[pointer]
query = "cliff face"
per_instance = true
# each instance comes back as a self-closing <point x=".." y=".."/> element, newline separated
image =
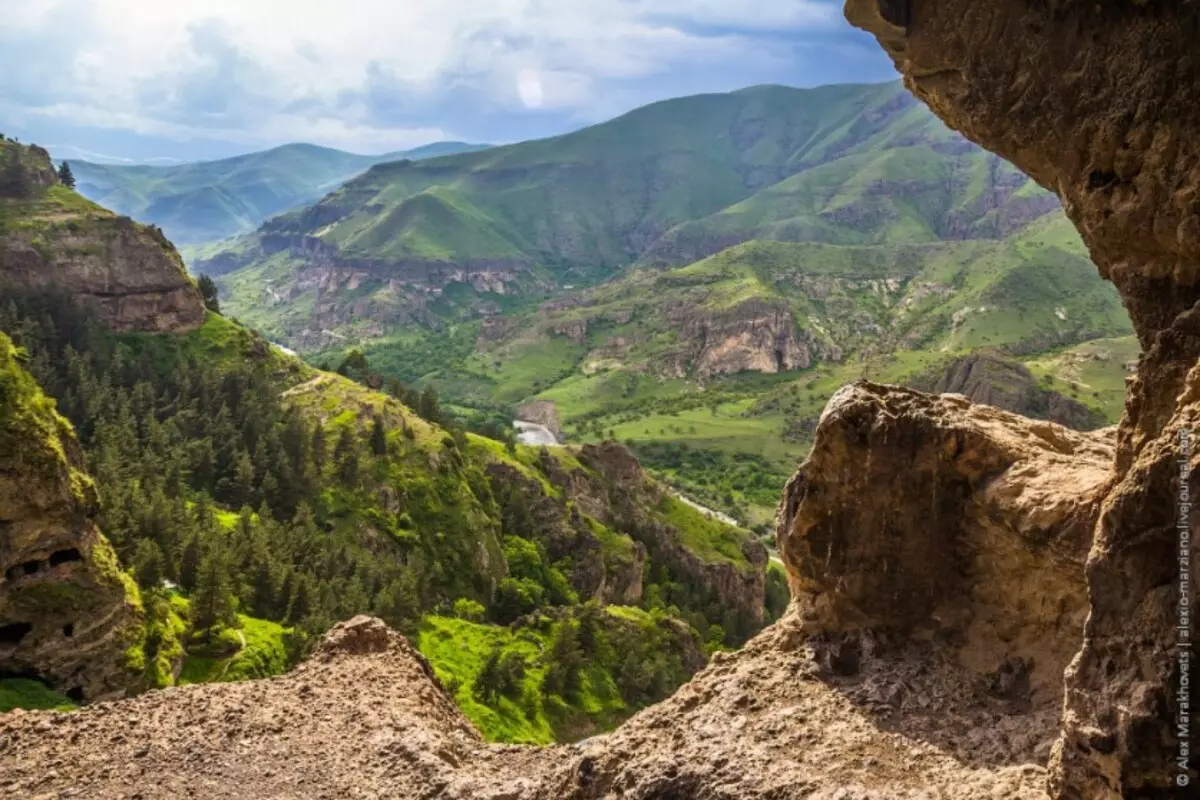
<point x="66" y="614"/>
<point x="754" y="336"/>
<point x="927" y="515"/>
<point x="991" y="379"/>
<point x="1098" y="102"/>
<point x="52" y="238"/>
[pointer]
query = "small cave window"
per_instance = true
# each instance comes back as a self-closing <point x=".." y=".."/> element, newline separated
<point x="75" y="694"/>
<point x="65" y="557"/>
<point x="69" y="629"/>
<point x="14" y="632"/>
<point x="21" y="570"/>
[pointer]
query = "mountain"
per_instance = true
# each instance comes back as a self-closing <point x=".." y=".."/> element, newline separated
<point x="694" y="278"/>
<point x="582" y="206"/>
<point x="182" y="502"/>
<point x="211" y="200"/>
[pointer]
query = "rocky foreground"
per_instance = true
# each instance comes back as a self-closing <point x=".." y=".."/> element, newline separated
<point x="944" y="680"/>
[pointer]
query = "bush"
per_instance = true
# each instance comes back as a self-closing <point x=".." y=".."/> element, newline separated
<point x="470" y="610"/>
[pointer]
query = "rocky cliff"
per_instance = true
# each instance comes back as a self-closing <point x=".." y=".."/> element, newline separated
<point x="51" y="237"/>
<point x="990" y="378"/>
<point x="67" y="614"/>
<point x="1098" y="102"/>
<point x="754" y="336"/>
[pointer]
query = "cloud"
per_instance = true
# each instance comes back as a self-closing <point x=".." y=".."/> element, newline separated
<point x="381" y="74"/>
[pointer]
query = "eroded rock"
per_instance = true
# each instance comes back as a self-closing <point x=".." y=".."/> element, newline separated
<point x="129" y="274"/>
<point x="1098" y="102"/>
<point x="66" y="615"/>
<point x="927" y="516"/>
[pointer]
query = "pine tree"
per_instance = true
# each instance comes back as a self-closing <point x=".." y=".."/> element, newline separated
<point x="213" y="604"/>
<point x="429" y="407"/>
<point x="148" y="566"/>
<point x="208" y="291"/>
<point x="65" y="176"/>
<point x="345" y="455"/>
<point x="189" y="564"/>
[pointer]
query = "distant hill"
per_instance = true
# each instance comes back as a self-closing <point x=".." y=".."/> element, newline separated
<point x="694" y="278"/>
<point x="676" y="181"/>
<point x="212" y="200"/>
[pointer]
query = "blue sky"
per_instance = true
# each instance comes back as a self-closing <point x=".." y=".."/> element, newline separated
<point x="176" y="80"/>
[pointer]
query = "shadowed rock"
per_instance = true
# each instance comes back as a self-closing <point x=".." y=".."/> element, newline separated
<point x="1100" y="102"/>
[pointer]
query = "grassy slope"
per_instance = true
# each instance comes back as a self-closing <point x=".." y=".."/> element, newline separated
<point x="457" y="649"/>
<point x="591" y="201"/>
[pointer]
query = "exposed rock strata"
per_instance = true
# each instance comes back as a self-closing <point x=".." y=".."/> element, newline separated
<point x="65" y="615"/>
<point x="130" y="275"/>
<point x="1099" y="103"/>
<point x="753" y="336"/>
<point x="929" y="516"/>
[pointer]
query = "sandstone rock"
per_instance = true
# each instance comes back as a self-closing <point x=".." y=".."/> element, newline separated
<point x="1098" y="102"/>
<point x="929" y="516"/>
<point x="65" y="613"/>
<point x="129" y="274"/>
<point x="753" y="336"/>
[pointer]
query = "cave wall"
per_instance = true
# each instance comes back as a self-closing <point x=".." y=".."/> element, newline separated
<point x="1100" y="103"/>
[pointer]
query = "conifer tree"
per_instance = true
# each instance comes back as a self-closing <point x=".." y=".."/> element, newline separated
<point x="65" y="176"/>
<point x="213" y="604"/>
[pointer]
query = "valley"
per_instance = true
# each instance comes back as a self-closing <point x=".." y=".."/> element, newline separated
<point x="220" y="503"/>
<point x="702" y="306"/>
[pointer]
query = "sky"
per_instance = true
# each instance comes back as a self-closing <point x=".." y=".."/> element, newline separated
<point x="165" y="81"/>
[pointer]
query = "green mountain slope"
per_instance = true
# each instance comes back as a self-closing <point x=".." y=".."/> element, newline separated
<point x="213" y="200"/>
<point x="252" y="500"/>
<point x="701" y="273"/>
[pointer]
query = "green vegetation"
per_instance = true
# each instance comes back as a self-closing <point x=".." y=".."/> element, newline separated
<point x="562" y="677"/>
<point x="31" y="695"/>
<point x="212" y="200"/>
<point x="632" y="251"/>
<point x="274" y="500"/>
<point x="255" y="648"/>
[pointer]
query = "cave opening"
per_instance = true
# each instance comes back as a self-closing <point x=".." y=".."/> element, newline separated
<point x="75" y="694"/>
<point x="779" y="360"/>
<point x="69" y="629"/>
<point x="21" y="570"/>
<point x="65" y="557"/>
<point x="14" y="632"/>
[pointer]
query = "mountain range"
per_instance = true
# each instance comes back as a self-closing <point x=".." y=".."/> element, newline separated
<point x="694" y="278"/>
<point x="212" y="200"/>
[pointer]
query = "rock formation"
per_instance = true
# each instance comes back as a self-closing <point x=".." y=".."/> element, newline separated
<point x="51" y="238"/>
<point x="944" y="556"/>
<point x="976" y="533"/>
<point x="989" y="378"/>
<point x="754" y="336"/>
<point x="65" y="612"/>
<point x="1098" y="102"/>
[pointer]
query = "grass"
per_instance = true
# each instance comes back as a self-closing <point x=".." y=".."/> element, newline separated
<point x="31" y="695"/>
<point x="457" y="649"/>
<point x="227" y="659"/>
<point x="712" y="540"/>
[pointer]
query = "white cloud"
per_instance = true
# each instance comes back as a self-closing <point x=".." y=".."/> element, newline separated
<point x="529" y="87"/>
<point x="252" y="70"/>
